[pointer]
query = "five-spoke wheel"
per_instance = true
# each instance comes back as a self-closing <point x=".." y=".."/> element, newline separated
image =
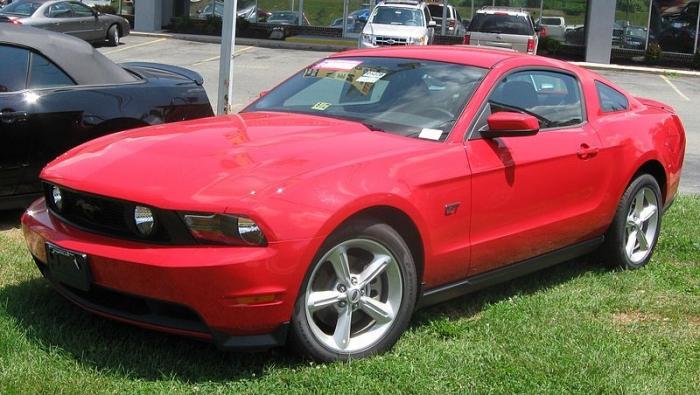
<point x="358" y="295"/>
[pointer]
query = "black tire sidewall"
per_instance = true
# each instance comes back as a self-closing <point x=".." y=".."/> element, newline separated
<point x="110" y="35"/>
<point x="615" y="238"/>
<point x="302" y="337"/>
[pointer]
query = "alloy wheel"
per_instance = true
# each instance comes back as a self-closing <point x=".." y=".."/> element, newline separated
<point x="641" y="227"/>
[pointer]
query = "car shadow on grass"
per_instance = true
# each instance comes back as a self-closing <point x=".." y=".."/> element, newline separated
<point x="51" y="322"/>
<point x="9" y="219"/>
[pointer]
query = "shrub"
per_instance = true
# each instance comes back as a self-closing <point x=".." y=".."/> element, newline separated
<point x="550" y="45"/>
<point x="653" y="54"/>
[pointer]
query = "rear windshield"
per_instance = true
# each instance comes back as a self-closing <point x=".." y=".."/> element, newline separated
<point x="502" y="24"/>
<point x="284" y="16"/>
<point x="436" y="11"/>
<point x="551" y="21"/>
<point x="23" y="8"/>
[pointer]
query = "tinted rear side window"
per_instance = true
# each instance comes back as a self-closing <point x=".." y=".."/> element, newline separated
<point x="610" y="99"/>
<point x="44" y="74"/>
<point x="502" y="24"/>
<point x="13" y="68"/>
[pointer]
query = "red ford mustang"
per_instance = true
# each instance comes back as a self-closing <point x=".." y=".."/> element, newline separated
<point x="365" y="186"/>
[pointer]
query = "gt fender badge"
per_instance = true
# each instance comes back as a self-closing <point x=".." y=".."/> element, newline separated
<point x="451" y="208"/>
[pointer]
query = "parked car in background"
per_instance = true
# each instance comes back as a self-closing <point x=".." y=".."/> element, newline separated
<point x="454" y="21"/>
<point x="503" y="27"/>
<point x="247" y="10"/>
<point x="576" y="36"/>
<point x="287" y="18"/>
<point x="367" y="185"/>
<point x="634" y="37"/>
<point x="56" y="92"/>
<point x="618" y="31"/>
<point x="398" y="23"/>
<point x="69" y="17"/>
<point x="554" y="27"/>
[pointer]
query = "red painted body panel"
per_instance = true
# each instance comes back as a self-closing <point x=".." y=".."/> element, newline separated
<point x="301" y="176"/>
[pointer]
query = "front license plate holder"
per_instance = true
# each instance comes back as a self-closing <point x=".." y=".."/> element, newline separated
<point x="68" y="267"/>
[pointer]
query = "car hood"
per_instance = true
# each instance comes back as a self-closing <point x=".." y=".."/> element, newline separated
<point x="393" y="30"/>
<point x="208" y="164"/>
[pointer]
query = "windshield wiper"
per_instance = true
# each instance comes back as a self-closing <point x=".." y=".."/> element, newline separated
<point x="372" y="126"/>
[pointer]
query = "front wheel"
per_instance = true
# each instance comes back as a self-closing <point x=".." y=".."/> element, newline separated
<point x="113" y="36"/>
<point x="631" y="239"/>
<point x="358" y="296"/>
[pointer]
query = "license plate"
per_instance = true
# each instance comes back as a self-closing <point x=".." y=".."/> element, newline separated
<point x="68" y="267"/>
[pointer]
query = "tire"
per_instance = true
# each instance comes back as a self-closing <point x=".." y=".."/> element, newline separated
<point x="318" y="327"/>
<point x="113" y="36"/>
<point x="634" y="232"/>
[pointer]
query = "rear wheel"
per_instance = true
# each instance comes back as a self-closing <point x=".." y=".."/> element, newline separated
<point x="358" y="296"/>
<point x="113" y="36"/>
<point x="631" y="239"/>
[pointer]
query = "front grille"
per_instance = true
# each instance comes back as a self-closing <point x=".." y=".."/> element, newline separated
<point x="114" y="217"/>
<point x="390" y="41"/>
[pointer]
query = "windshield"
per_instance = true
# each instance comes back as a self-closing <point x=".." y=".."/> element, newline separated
<point x="23" y="8"/>
<point x="408" y="97"/>
<point x="284" y="16"/>
<point x="501" y="24"/>
<point x="637" y="32"/>
<point x="398" y="16"/>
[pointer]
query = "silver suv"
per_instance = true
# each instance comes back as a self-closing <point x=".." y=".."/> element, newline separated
<point x="398" y="22"/>
<point x="503" y="27"/>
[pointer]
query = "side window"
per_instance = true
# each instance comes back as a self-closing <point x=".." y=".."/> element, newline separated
<point x="554" y="98"/>
<point x="59" y="10"/>
<point x="44" y="74"/>
<point x="13" y="63"/>
<point x="610" y="99"/>
<point x="80" y="10"/>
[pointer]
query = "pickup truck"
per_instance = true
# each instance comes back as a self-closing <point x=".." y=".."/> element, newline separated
<point x="555" y="27"/>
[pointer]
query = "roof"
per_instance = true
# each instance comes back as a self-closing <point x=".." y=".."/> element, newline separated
<point x="497" y="10"/>
<point x="467" y="55"/>
<point x="75" y="57"/>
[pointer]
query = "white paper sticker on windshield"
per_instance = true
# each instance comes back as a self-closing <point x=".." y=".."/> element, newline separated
<point x="430" y="134"/>
<point x="371" y="77"/>
<point x="337" y="64"/>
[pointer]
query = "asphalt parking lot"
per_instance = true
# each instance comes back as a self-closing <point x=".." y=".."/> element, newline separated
<point x="258" y="69"/>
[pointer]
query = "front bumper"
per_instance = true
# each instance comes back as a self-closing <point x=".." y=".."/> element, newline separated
<point x="237" y="297"/>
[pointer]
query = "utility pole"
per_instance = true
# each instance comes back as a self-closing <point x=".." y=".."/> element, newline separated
<point x="228" y="45"/>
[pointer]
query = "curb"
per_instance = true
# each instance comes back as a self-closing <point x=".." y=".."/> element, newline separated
<point x="247" y="41"/>
<point x="310" y="46"/>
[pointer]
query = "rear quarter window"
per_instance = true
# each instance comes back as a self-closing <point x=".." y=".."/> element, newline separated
<point x="610" y="99"/>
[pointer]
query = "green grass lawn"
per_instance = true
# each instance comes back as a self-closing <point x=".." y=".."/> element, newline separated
<point x="577" y="327"/>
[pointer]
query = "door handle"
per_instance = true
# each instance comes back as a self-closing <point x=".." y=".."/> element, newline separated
<point x="11" y="116"/>
<point x="585" y="151"/>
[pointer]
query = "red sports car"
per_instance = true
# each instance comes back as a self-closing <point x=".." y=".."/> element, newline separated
<point x="367" y="185"/>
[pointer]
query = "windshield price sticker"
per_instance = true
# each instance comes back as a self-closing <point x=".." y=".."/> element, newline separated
<point x="430" y="134"/>
<point x="371" y="77"/>
<point x="337" y="64"/>
<point x="321" y="106"/>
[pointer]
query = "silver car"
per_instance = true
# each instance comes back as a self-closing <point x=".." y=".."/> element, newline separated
<point x="502" y="27"/>
<point x="70" y="17"/>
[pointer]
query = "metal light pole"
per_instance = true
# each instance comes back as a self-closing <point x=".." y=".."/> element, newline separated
<point x="228" y="45"/>
<point x="444" y="17"/>
<point x="301" y="12"/>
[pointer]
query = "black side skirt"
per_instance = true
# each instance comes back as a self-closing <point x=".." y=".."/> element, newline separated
<point x="483" y="280"/>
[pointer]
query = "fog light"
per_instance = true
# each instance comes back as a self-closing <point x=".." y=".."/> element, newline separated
<point x="57" y="197"/>
<point x="144" y="220"/>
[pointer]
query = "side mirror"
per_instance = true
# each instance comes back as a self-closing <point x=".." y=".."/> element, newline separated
<point x="432" y="24"/>
<point x="538" y="29"/>
<point x="511" y="124"/>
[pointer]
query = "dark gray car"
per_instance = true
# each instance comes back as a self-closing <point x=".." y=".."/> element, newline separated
<point x="70" y="17"/>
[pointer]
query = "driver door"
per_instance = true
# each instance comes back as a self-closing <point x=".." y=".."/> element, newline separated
<point x="534" y="194"/>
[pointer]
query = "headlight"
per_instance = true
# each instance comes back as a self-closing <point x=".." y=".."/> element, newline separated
<point x="423" y="40"/>
<point x="367" y="38"/>
<point x="225" y="229"/>
<point x="57" y="197"/>
<point x="144" y="220"/>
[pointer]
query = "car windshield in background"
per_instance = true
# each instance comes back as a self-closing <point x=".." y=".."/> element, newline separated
<point x="22" y="8"/>
<point x="284" y="16"/>
<point x="551" y="21"/>
<point x="501" y="24"/>
<point x="408" y="97"/>
<point x="398" y="16"/>
<point x="436" y="11"/>
<point x="637" y="32"/>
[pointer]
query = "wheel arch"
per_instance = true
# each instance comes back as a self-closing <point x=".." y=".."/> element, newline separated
<point x="654" y="168"/>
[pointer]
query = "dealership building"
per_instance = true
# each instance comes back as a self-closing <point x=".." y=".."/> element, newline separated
<point x="598" y="28"/>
